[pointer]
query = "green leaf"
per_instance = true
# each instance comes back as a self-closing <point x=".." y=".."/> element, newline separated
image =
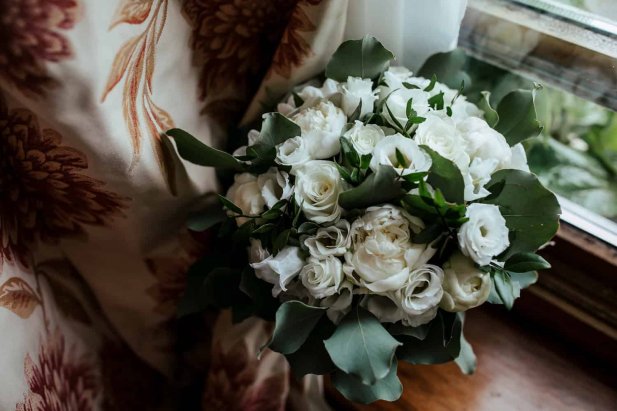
<point x="431" y="85"/>
<point x="524" y="280"/>
<point x="506" y="290"/>
<point x="362" y="347"/>
<point x="294" y="322"/>
<point x="280" y="241"/>
<point x="400" y="159"/>
<point x="429" y="234"/>
<point x="490" y="115"/>
<point x="447" y="67"/>
<point x="276" y="129"/>
<point x="388" y="388"/>
<point x="517" y="116"/>
<point x="193" y="150"/>
<point x="366" y="58"/>
<point x="229" y="205"/>
<point x="264" y="228"/>
<point x="530" y="210"/>
<point x="349" y="153"/>
<point x="446" y="176"/>
<point x="466" y="359"/>
<point x="441" y="344"/>
<point x="312" y="357"/>
<point x="436" y="102"/>
<point x="380" y="187"/>
<point x="523" y="262"/>
<point x="203" y="220"/>
<point x="419" y="332"/>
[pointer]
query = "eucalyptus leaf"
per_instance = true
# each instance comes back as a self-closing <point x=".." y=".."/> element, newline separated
<point x="228" y="204"/>
<point x="361" y="346"/>
<point x="312" y="357"/>
<point x="530" y="210"/>
<point x="524" y="262"/>
<point x="466" y="359"/>
<point x="365" y="58"/>
<point x="206" y="219"/>
<point x="441" y="344"/>
<point x="294" y="322"/>
<point x="517" y="116"/>
<point x="446" y="176"/>
<point x="388" y="388"/>
<point x="490" y="114"/>
<point x="447" y="67"/>
<point x="193" y="150"/>
<point x="380" y="187"/>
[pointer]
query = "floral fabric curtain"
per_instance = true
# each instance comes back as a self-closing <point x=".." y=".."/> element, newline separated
<point x="93" y="203"/>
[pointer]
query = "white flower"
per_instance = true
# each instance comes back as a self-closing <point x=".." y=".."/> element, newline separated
<point x="395" y="107"/>
<point x="310" y="95"/>
<point x="246" y="194"/>
<point x="279" y="270"/>
<point x="363" y="138"/>
<point x="464" y="285"/>
<point x="518" y="161"/>
<point x="321" y="127"/>
<point x="476" y="178"/>
<point x="485" y="235"/>
<point x="416" y="159"/>
<point x="338" y="304"/>
<point x="292" y="152"/>
<point x="393" y="79"/>
<point x="327" y="241"/>
<point x="275" y="186"/>
<point x="420" y="296"/>
<point x="382" y="254"/>
<point x="440" y="134"/>
<point x="481" y="141"/>
<point x="318" y="186"/>
<point x="256" y="251"/>
<point x="355" y="90"/>
<point x="322" y="277"/>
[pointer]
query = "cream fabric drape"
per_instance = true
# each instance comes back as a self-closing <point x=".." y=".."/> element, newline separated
<point x="93" y="248"/>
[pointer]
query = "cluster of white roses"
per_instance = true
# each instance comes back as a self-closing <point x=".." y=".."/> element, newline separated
<point x="372" y="255"/>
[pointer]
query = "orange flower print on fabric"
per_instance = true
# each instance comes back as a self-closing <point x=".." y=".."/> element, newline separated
<point x="43" y="193"/>
<point x="59" y="380"/>
<point x="31" y="35"/>
<point x="234" y="42"/>
<point x="135" y="63"/>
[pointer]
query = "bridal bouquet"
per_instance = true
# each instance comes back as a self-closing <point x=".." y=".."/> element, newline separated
<point x="368" y="213"/>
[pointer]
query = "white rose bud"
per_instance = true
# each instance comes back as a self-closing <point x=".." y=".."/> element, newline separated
<point x="382" y="254"/>
<point x="464" y="285"/>
<point x="318" y="186"/>
<point x="275" y="186"/>
<point x="246" y="194"/>
<point x="415" y="159"/>
<point x="358" y="90"/>
<point x="421" y="294"/>
<point x="322" y="278"/>
<point x="484" y="142"/>
<point x="321" y="127"/>
<point x="485" y="235"/>
<point x="333" y="240"/>
<point x="363" y="138"/>
<point x="292" y="152"/>
<point x="279" y="270"/>
<point x="441" y="135"/>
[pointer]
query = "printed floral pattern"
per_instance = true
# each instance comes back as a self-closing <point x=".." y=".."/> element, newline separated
<point x="44" y="193"/>
<point x="135" y="63"/>
<point x="232" y="383"/>
<point x="234" y="42"/>
<point x="32" y="35"/>
<point x="59" y="380"/>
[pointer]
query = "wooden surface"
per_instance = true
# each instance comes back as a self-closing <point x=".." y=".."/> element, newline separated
<point x="518" y="369"/>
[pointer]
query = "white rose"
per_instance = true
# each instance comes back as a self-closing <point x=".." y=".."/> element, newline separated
<point x="476" y="178"/>
<point x="333" y="240"/>
<point x="363" y="138"/>
<point x="382" y="254"/>
<point x="441" y="135"/>
<point x="462" y="109"/>
<point x="420" y="296"/>
<point x="246" y="194"/>
<point x="322" y="277"/>
<point x="464" y="285"/>
<point x="279" y="270"/>
<point x="275" y="186"/>
<point x="321" y="127"/>
<point x="396" y="103"/>
<point x="393" y="79"/>
<point x="355" y="90"/>
<point x="484" y="142"/>
<point x="485" y="235"/>
<point x="292" y="152"/>
<point x="338" y="304"/>
<point x="318" y="186"/>
<point x="310" y="96"/>
<point x="256" y="251"/>
<point x="518" y="161"/>
<point x="416" y="159"/>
